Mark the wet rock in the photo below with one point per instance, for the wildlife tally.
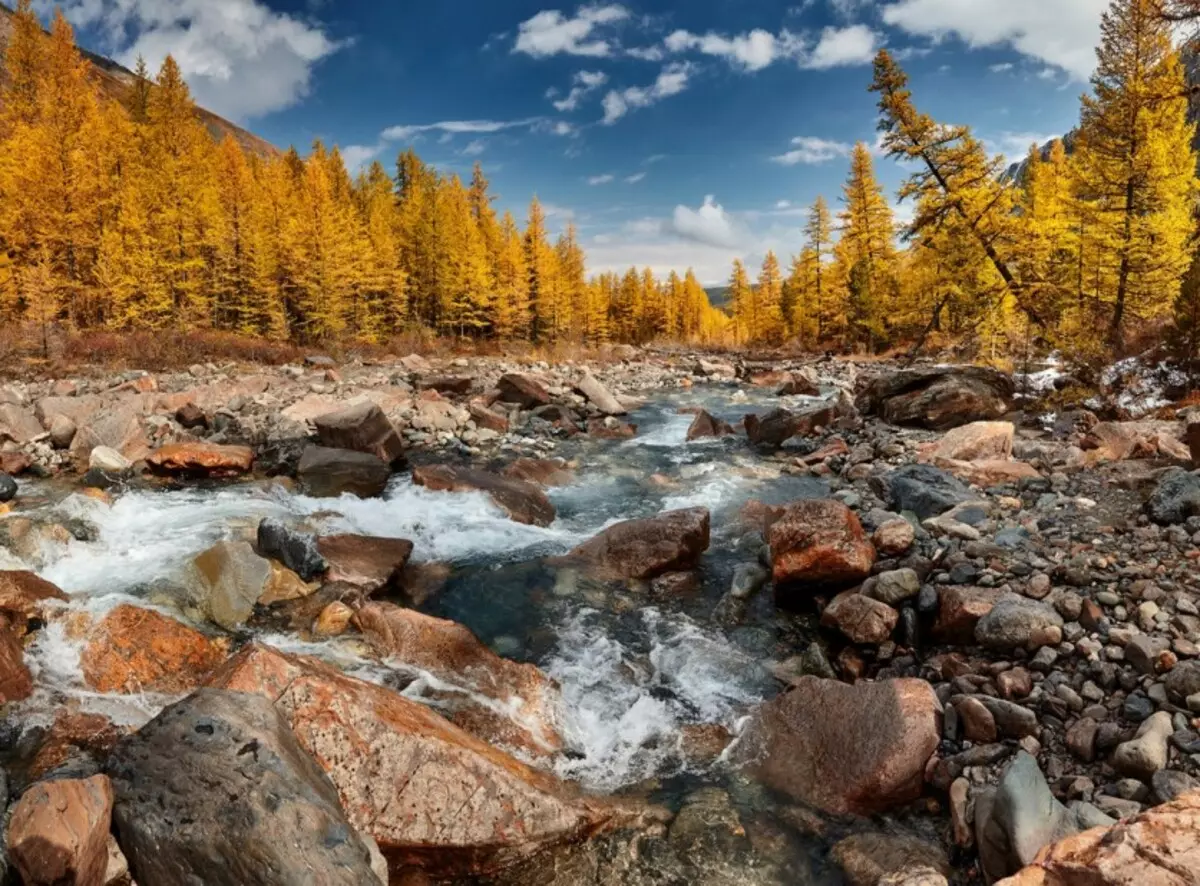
(543, 471)
(58, 832)
(861, 619)
(817, 545)
(530, 701)
(707, 823)
(26, 598)
(1148, 751)
(524, 390)
(894, 538)
(924, 490)
(865, 746)
(134, 650)
(1175, 498)
(523, 502)
(74, 743)
(233, 579)
(1022, 817)
(16, 683)
(1019, 623)
(599, 396)
(201, 460)
(1160, 847)
(429, 793)
(866, 859)
(362, 427)
(611, 429)
(701, 744)
(295, 550)
(673, 541)
(938, 399)
(8, 488)
(798, 384)
(707, 425)
(329, 473)
(216, 790)
(367, 562)
(748, 578)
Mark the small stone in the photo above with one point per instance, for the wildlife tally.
(1081, 739)
(894, 538)
(1147, 753)
(896, 586)
(978, 724)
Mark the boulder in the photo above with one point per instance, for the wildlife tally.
(108, 460)
(62, 431)
(864, 747)
(506, 704)
(611, 429)
(1175, 498)
(1019, 623)
(990, 472)
(599, 396)
(978, 441)
(329, 473)
(134, 650)
(295, 550)
(15, 463)
(924, 490)
(489, 419)
(366, 562)
(217, 790)
(860, 619)
(523, 502)
(780, 425)
(19, 424)
(25, 598)
(118, 426)
(79, 409)
(201, 460)
(362, 427)
(524, 390)
(58, 832)
(1118, 441)
(938, 399)
(233, 579)
(643, 549)
(818, 545)
(542, 471)
(432, 795)
(798, 384)
(1160, 847)
(706, 425)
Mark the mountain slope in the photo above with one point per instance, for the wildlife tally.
(114, 80)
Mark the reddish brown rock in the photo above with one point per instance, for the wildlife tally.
(191, 416)
(451, 653)
(978, 441)
(611, 429)
(706, 425)
(24, 597)
(489, 419)
(201, 459)
(670, 542)
(134, 650)
(1160, 847)
(959, 610)
(16, 684)
(362, 427)
(860, 619)
(844, 749)
(819, 545)
(1119, 441)
(799, 385)
(940, 398)
(894, 538)
(58, 832)
(364, 561)
(524, 390)
(991, 472)
(70, 734)
(431, 795)
(14, 463)
(522, 501)
(543, 471)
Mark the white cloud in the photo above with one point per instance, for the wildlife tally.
(240, 58)
(551, 33)
(458, 127)
(1015, 145)
(605, 179)
(1062, 33)
(585, 82)
(1002, 68)
(783, 204)
(758, 49)
(646, 53)
(839, 47)
(1048, 74)
(710, 224)
(672, 80)
(635, 178)
(474, 148)
(848, 9)
(356, 157)
(811, 151)
(563, 128)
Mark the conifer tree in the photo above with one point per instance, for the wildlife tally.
(511, 307)
(865, 252)
(24, 67)
(742, 302)
(545, 291)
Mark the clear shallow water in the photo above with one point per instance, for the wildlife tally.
(634, 668)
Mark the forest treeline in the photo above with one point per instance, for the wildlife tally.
(1084, 251)
(128, 215)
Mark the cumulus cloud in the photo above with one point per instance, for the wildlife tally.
(710, 224)
(1062, 33)
(552, 33)
(839, 47)
(241, 58)
(356, 157)
(672, 80)
(758, 49)
(810, 151)
(584, 83)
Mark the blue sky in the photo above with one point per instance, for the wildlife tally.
(672, 134)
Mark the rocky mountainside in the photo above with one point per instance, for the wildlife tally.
(114, 79)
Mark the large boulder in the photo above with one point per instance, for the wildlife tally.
(938, 399)
(362, 427)
(819, 545)
(643, 549)
(925, 490)
(524, 390)
(522, 501)
(978, 441)
(25, 598)
(506, 703)
(216, 790)
(1175, 498)
(707, 425)
(1160, 847)
(1118, 441)
(201, 460)
(845, 749)
(329, 473)
(598, 395)
(117, 426)
(19, 424)
(367, 562)
(58, 832)
(134, 650)
(780, 425)
(432, 795)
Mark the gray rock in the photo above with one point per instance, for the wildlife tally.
(295, 550)
(894, 587)
(8, 488)
(1018, 622)
(1013, 720)
(599, 396)
(747, 578)
(108, 460)
(233, 578)
(62, 431)
(1183, 680)
(1142, 652)
(216, 790)
(1170, 783)
(1148, 751)
(329, 473)
(925, 490)
(1176, 498)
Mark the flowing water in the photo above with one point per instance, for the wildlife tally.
(635, 667)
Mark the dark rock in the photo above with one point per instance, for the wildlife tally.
(363, 561)
(780, 425)
(8, 488)
(1184, 680)
(329, 473)
(362, 427)
(524, 390)
(1175, 498)
(295, 550)
(522, 501)
(706, 425)
(925, 490)
(216, 790)
(938, 399)
(643, 549)
(1169, 784)
(191, 417)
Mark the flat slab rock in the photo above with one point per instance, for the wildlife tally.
(524, 502)
(643, 549)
